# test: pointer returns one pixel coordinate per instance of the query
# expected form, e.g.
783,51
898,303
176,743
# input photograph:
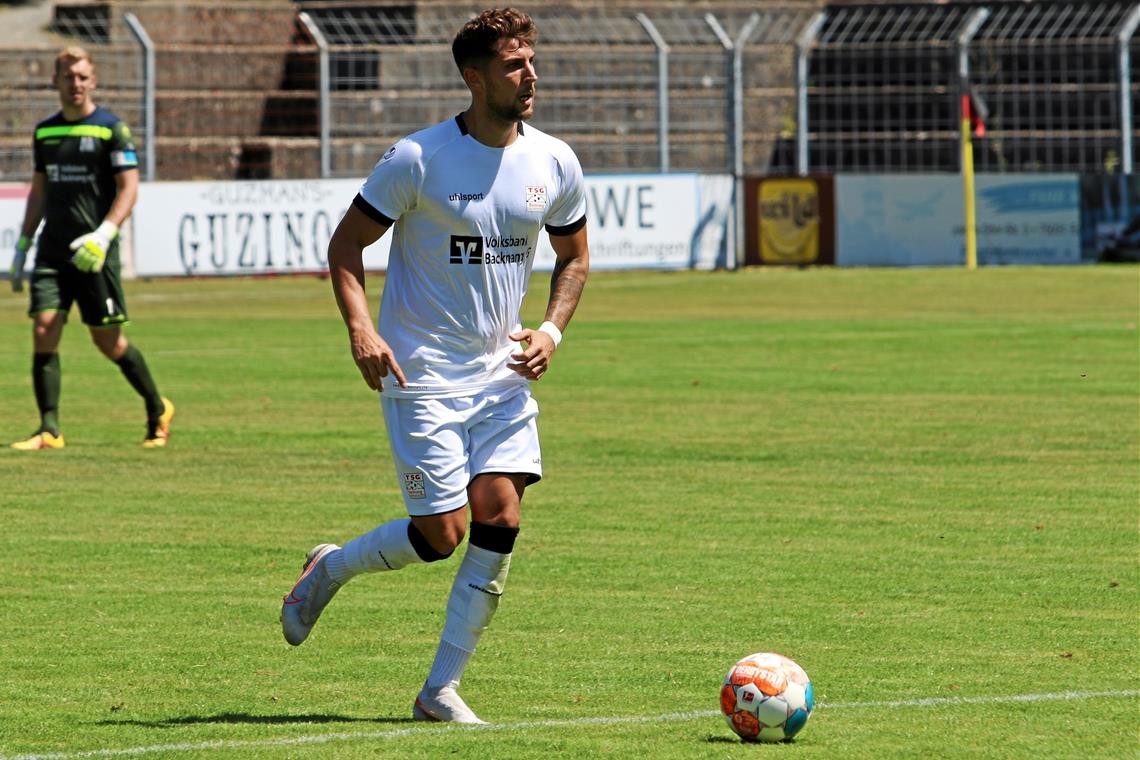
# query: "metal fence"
30,96
630,89
741,87
884,84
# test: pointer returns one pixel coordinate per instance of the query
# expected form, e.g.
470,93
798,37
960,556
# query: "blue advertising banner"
1110,217
918,220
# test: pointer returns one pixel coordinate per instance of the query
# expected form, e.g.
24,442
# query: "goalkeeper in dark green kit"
84,187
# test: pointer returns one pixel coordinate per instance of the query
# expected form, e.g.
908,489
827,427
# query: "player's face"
509,81
75,81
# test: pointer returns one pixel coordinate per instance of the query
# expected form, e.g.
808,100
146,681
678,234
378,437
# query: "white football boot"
314,589
444,705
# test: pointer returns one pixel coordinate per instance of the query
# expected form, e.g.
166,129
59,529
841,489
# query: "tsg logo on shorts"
466,249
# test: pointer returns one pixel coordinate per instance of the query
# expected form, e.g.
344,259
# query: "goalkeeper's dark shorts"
57,284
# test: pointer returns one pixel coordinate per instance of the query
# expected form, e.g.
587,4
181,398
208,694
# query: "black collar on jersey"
463,125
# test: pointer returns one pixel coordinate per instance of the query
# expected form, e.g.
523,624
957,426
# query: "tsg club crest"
536,197
414,485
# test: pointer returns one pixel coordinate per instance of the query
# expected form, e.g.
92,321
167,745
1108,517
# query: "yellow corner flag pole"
968,186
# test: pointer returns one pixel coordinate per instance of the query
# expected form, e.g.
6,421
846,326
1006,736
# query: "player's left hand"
16,271
534,361
91,249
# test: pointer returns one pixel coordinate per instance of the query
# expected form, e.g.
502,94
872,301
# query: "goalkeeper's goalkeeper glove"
91,249
17,269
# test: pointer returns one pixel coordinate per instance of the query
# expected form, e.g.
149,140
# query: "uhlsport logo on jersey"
536,197
474,249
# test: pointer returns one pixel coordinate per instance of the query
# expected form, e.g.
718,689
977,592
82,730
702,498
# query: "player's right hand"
17,269
374,359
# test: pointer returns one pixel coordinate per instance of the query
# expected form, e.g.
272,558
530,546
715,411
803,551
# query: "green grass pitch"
920,484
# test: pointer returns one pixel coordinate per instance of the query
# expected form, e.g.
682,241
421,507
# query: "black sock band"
425,550
493,538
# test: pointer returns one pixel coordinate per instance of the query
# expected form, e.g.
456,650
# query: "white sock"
447,669
387,547
474,598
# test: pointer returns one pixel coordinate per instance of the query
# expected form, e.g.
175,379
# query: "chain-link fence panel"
248,91
1049,74
885,82
30,96
600,70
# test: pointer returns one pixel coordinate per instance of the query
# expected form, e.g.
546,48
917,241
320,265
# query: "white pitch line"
297,741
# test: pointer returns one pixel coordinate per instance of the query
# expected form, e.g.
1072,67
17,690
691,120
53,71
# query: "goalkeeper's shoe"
443,705
314,589
44,439
158,430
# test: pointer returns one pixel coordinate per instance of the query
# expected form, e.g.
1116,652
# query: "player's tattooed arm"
568,279
570,271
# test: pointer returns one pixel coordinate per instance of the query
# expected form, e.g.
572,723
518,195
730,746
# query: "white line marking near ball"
673,717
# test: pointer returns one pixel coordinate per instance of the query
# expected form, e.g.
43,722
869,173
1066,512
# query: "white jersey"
466,221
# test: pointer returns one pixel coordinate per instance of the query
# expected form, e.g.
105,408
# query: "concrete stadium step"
181,113
200,158
236,67
30,66
225,158
236,113
431,66
16,158
23,109
598,153
182,22
617,111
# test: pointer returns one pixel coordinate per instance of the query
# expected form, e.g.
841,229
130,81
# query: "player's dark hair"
475,43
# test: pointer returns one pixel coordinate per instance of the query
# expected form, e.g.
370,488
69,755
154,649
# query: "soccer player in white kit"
466,200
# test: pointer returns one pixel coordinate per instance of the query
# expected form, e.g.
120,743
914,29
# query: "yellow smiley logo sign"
789,221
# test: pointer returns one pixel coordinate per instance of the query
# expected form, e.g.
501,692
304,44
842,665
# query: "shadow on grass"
722,740
734,740
234,718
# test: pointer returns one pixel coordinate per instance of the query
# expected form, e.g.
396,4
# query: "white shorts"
439,445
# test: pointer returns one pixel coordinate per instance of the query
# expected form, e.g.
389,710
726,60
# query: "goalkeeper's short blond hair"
72,54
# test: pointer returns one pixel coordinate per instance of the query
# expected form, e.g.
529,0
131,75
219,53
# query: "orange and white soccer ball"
766,697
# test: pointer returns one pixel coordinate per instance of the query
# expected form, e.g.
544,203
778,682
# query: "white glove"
17,269
91,249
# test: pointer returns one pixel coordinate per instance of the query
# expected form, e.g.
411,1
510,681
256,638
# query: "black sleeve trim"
569,229
370,211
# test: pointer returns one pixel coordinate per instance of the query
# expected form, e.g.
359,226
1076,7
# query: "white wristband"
109,229
552,330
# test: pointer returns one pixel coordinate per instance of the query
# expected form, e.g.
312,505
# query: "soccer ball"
766,697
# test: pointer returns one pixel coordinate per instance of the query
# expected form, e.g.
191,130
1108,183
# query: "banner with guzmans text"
259,227
228,228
